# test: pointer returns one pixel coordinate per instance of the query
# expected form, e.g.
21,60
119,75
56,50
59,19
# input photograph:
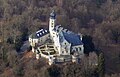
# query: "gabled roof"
57,28
72,38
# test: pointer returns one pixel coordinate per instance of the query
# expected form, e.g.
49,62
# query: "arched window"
76,49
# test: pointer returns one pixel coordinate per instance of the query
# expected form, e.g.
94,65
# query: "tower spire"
53,14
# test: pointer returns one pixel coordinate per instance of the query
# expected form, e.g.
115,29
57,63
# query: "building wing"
72,38
41,33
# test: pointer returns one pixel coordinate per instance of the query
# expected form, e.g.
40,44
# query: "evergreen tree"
101,65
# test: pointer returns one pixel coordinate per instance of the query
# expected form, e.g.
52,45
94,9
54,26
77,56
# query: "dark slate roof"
57,28
53,15
41,33
72,38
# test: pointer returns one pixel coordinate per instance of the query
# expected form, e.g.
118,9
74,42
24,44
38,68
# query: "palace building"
57,44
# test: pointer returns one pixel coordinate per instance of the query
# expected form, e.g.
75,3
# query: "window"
52,23
57,35
65,43
80,48
76,49
66,51
48,36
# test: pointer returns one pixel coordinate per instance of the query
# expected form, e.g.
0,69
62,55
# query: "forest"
97,20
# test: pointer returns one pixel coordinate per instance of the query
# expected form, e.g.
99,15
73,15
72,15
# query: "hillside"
97,20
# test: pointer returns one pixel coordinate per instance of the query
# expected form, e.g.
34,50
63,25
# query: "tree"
100,2
12,58
115,33
24,34
18,69
10,40
88,44
72,70
101,65
18,43
54,71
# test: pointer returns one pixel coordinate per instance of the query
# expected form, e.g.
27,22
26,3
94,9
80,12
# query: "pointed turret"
53,15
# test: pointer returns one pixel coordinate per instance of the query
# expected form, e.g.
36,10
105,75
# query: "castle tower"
52,20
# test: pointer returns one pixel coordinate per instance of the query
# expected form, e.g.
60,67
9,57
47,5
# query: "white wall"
56,42
32,41
41,40
65,49
51,24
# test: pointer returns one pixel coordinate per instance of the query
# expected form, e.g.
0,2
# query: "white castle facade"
57,44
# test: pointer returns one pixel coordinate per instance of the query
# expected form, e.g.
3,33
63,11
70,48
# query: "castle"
57,44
